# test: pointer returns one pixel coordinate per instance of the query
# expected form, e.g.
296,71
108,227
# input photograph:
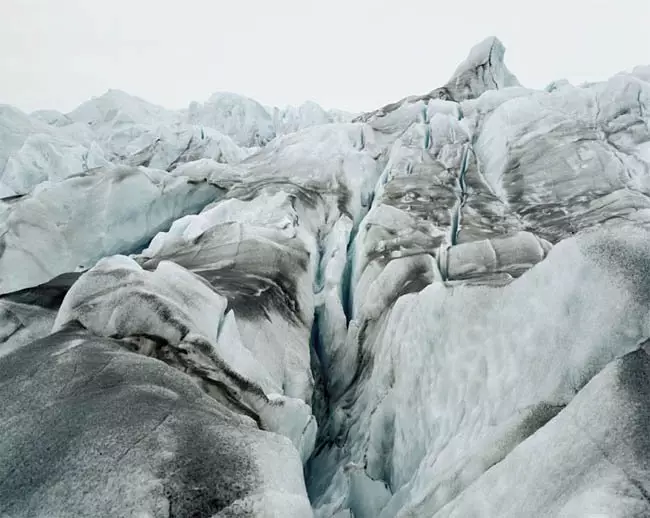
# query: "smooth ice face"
68,226
173,315
603,434
136,428
117,298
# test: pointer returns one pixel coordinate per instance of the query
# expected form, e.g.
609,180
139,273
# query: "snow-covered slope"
439,309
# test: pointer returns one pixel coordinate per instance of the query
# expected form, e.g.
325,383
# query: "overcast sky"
349,54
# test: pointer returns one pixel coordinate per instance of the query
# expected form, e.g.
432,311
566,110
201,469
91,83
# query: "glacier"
437,308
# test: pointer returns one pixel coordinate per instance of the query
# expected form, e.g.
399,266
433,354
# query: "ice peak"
484,69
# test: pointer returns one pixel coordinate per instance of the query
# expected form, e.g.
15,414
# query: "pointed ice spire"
483,70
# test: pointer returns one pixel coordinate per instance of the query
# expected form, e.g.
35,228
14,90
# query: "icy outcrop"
602,434
32,152
295,118
454,287
241,118
68,226
483,70
136,428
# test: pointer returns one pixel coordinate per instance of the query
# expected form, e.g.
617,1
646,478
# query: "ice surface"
32,152
242,118
295,118
70,225
443,396
483,70
136,428
603,434
173,315
123,129
454,285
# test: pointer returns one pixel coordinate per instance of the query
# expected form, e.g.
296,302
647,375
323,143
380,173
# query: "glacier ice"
233,310
33,152
136,428
69,225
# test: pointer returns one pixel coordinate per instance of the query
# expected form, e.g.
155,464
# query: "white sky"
348,54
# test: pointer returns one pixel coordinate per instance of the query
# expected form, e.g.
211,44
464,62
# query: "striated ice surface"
68,226
443,397
438,309
133,427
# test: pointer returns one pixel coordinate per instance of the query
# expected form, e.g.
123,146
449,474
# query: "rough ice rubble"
250,124
123,129
296,118
242,118
135,132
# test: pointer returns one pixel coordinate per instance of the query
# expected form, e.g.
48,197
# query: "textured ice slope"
453,288
96,430
32,152
68,226
426,394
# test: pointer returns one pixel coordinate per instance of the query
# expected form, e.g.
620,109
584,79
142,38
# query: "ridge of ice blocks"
276,312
